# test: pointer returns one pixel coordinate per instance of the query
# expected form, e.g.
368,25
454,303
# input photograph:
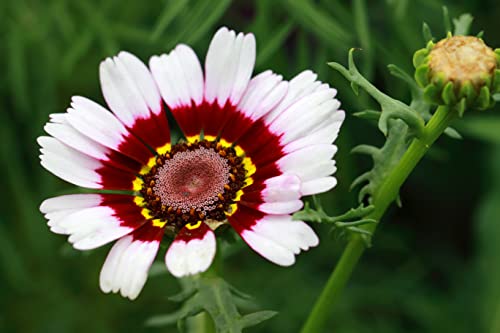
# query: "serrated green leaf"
414,121
363,178
364,149
355,88
309,216
355,213
391,108
239,293
396,71
256,318
190,308
183,295
366,191
163,320
389,155
368,115
418,102
218,299
356,223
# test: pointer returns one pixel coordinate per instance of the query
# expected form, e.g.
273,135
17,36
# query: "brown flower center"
193,182
192,179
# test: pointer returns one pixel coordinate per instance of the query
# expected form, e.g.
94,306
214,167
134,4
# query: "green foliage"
391,108
218,299
343,226
384,160
398,121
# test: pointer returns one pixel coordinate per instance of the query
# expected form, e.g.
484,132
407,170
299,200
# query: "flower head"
458,69
253,147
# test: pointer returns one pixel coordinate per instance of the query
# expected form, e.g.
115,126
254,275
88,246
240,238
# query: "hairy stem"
382,198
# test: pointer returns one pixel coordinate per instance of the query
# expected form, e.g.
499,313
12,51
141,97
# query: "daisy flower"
253,147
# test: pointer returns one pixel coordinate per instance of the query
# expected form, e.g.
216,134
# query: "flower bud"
459,70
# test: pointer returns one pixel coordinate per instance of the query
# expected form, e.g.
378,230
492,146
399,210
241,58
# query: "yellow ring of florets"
138,183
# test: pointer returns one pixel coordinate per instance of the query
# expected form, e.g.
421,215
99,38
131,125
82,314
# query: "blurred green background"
434,266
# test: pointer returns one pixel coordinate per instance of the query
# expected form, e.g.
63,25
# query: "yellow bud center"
461,59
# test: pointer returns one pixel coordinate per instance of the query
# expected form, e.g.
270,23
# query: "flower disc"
193,182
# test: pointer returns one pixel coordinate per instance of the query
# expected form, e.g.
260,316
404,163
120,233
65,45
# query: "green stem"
202,323
383,197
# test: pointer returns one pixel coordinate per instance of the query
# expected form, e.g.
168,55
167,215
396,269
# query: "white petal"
326,133
128,87
264,92
95,122
69,164
127,265
71,201
301,85
71,137
143,81
281,188
282,207
246,63
92,227
55,217
294,123
301,161
269,249
191,257
228,66
59,118
179,76
58,208
318,185
318,170
293,235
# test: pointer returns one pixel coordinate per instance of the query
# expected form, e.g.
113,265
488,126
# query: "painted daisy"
252,148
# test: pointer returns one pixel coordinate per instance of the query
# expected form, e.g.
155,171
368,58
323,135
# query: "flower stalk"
382,198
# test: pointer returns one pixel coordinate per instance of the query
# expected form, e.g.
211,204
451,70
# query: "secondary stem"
384,196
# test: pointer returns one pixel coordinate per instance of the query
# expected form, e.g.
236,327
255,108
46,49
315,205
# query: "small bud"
458,70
